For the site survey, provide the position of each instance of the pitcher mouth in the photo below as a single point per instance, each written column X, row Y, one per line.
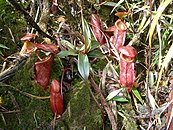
column 126, row 58
column 120, row 25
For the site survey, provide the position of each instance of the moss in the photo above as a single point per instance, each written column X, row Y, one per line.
column 100, row 64
column 81, row 111
column 12, row 26
column 56, row 69
column 33, row 112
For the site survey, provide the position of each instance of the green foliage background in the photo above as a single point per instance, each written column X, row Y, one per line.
column 81, row 110
column 12, row 27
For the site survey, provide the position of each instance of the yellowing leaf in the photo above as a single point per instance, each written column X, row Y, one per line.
column 87, row 35
column 164, row 65
column 160, row 10
column 66, row 43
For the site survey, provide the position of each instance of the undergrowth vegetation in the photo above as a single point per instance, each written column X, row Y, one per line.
column 120, row 50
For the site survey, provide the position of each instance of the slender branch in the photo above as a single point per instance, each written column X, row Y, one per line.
column 29, row 18
column 7, row 72
column 104, row 103
column 23, row 93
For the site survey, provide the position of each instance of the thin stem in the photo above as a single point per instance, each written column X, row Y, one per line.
column 104, row 103
column 24, row 93
column 149, row 64
column 29, row 18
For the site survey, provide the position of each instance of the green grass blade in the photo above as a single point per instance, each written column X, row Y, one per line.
column 160, row 10
column 137, row 95
column 3, row 46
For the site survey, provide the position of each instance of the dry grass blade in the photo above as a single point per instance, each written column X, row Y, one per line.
column 151, row 99
column 160, row 10
column 164, row 65
column 160, row 45
column 119, row 3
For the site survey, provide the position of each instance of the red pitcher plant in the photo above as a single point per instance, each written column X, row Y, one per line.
column 43, row 69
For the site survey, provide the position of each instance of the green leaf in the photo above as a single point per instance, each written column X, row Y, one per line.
column 1, row 53
column 119, row 99
column 95, row 54
column 113, row 94
column 112, row 4
column 87, row 35
column 167, row 23
column 137, row 94
column 66, row 43
column 94, row 45
column 66, row 53
column 83, row 65
column 151, row 78
column 3, row 46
